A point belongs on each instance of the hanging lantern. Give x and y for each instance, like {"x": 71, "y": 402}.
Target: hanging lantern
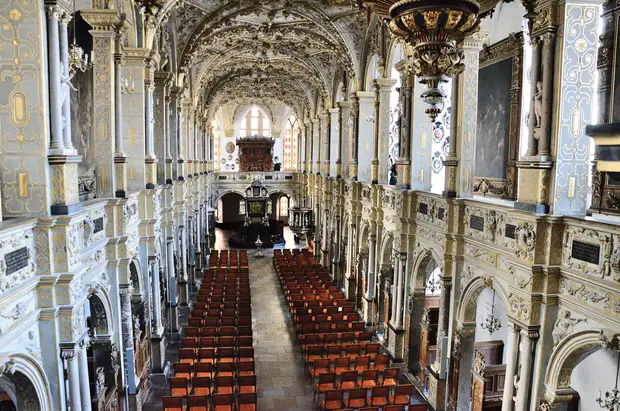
{"x": 435, "y": 29}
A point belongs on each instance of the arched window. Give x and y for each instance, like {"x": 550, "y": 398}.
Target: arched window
{"x": 291, "y": 139}
{"x": 395, "y": 115}
{"x": 216, "y": 144}
{"x": 284, "y": 206}
{"x": 255, "y": 123}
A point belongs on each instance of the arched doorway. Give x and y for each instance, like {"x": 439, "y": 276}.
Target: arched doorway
{"x": 423, "y": 314}
{"x": 481, "y": 346}
{"x": 574, "y": 384}
{"x": 23, "y": 385}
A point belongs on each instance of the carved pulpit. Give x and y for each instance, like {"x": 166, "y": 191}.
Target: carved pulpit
{"x": 255, "y": 153}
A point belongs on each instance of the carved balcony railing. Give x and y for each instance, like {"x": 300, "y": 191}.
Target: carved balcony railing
{"x": 249, "y": 177}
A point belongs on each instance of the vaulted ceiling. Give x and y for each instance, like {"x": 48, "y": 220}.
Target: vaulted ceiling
{"x": 288, "y": 51}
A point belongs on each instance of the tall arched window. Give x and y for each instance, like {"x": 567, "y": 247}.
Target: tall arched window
{"x": 216, "y": 144}
{"x": 284, "y": 205}
{"x": 291, "y": 139}
{"x": 255, "y": 123}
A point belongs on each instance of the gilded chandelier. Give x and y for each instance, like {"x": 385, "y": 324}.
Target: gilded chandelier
{"x": 435, "y": 29}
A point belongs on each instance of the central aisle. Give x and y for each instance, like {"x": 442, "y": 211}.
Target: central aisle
{"x": 281, "y": 380}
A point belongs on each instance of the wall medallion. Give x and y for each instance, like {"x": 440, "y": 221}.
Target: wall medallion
{"x": 230, "y": 147}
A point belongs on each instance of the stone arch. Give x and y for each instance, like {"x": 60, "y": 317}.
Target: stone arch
{"x": 363, "y": 233}
{"x": 396, "y": 48}
{"x": 134, "y": 275}
{"x": 25, "y": 382}
{"x": 101, "y": 312}
{"x": 419, "y": 266}
{"x": 385, "y": 251}
{"x": 466, "y": 311}
{"x": 567, "y": 355}
{"x": 371, "y": 73}
{"x": 223, "y": 193}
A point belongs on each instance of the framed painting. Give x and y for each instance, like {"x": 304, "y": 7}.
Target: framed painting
{"x": 499, "y": 115}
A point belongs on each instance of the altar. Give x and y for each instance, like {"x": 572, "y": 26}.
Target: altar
{"x": 255, "y": 153}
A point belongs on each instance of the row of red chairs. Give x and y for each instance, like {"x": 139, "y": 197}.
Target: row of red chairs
{"x": 215, "y": 402}
{"x": 216, "y": 368}
{"x": 349, "y": 373}
{"x": 290, "y": 252}
{"x": 208, "y": 369}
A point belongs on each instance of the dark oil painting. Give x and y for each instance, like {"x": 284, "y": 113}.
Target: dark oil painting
{"x": 493, "y": 132}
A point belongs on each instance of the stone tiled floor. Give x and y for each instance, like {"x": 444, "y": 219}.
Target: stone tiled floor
{"x": 282, "y": 384}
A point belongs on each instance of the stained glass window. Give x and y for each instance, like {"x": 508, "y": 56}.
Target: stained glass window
{"x": 291, "y": 139}
{"x": 255, "y": 123}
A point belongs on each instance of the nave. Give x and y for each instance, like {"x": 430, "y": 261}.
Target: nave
{"x": 286, "y": 347}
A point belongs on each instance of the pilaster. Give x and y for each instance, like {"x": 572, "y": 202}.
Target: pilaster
{"x": 64, "y": 184}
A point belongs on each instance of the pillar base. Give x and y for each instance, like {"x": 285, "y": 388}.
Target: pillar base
{"x": 64, "y": 188}
{"x": 367, "y": 311}
{"x": 349, "y": 287}
{"x": 533, "y": 186}
{"x": 396, "y": 340}
{"x": 136, "y": 400}
{"x": 436, "y": 391}
{"x": 158, "y": 353}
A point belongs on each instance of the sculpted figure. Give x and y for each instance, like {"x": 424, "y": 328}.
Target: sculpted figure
{"x": 538, "y": 105}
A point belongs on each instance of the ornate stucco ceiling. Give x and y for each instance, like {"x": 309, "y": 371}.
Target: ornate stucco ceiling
{"x": 280, "y": 50}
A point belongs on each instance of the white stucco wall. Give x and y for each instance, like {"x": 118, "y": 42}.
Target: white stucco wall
{"x": 500, "y": 311}
{"x": 598, "y": 371}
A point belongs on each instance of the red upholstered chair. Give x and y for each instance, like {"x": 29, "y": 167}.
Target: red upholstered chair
{"x": 182, "y": 369}
{"x": 354, "y": 351}
{"x": 341, "y": 365}
{"x": 224, "y": 385}
{"x": 225, "y": 369}
{"x": 394, "y": 408}
{"x": 206, "y": 355}
{"x": 372, "y": 350}
{"x": 187, "y": 355}
{"x": 333, "y": 400}
{"x": 246, "y": 383}
{"x": 348, "y": 380}
{"x": 357, "y": 398}
{"x": 225, "y": 354}
{"x": 402, "y": 395}
{"x": 245, "y": 368}
{"x": 203, "y": 369}
{"x": 326, "y": 382}
{"x": 382, "y": 361}
{"x": 223, "y": 402}
{"x": 172, "y": 403}
{"x": 197, "y": 403}
{"x": 247, "y": 402}
{"x": 201, "y": 385}
{"x": 320, "y": 366}
{"x": 178, "y": 386}
{"x": 390, "y": 376}
{"x": 380, "y": 396}
{"x": 361, "y": 364}
{"x": 418, "y": 407}
{"x": 226, "y": 342}
{"x": 370, "y": 378}
{"x": 245, "y": 354}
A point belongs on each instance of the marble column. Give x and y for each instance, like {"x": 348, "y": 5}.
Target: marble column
{"x": 325, "y": 142}
{"x": 182, "y": 279}
{"x": 317, "y": 130}
{"x": 396, "y": 279}
{"x": 355, "y": 128}
{"x": 532, "y": 147}
{"x": 548, "y": 59}
{"x": 526, "y": 357}
{"x": 150, "y": 160}
{"x": 442, "y": 327}
{"x": 172, "y": 288}
{"x": 83, "y": 371}
{"x": 154, "y": 267}
{"x": 128, "y": 342}
{"x": 55, "y": 84}
{"x": 404, "y": 131}
{"x": 66, "y": 99}
{"x": 73, "y": 373}
{"x": 335, "y": 146}
{"x": 511, "y": 366}
{"x": 120, "y": 158}
{"x": 400, "y": 297}
{"x": 383, "y": 88}
{"x": 342, "y": 163}
{"x": 370, "y": 284}
{"x": 463, "y": 349}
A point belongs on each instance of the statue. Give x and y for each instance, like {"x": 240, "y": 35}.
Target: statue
{"x": 537, "y": 97}
{"x": 65, "y": 83}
